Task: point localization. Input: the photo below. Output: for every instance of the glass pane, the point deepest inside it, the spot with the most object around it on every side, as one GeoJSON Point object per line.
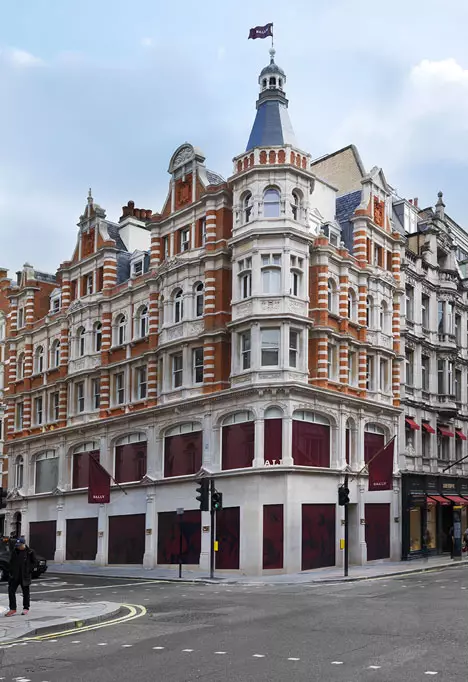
{"type": "Point", "coordinates": [269, 357]}
{"type": "Point", "coordinates": [46, 475]}
{"type": "Point", "coordinates": [415, 529]}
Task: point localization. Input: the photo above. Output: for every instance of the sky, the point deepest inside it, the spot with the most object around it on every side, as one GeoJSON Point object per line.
{"type": "Point", "coordinates": [100, 93]}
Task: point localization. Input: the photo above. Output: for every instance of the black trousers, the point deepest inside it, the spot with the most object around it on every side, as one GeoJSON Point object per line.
{"type": "Point", "coordinates": [12, 587]}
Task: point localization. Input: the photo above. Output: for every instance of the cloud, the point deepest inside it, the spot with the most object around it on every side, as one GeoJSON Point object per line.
{"type": "Point", "coordinates": [426, 119]}
{"type": "Point", "coordinates": [21, 58]}
{"type": "Point", "coordinates": [147, 42]}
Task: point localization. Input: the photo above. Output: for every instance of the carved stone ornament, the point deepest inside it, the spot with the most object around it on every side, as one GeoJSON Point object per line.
{"type": "Point", "coordinates": [184, 155]}
{"type": "Point", "coordinates": [175, 332]}
{"type": "Point", "coordinates": [15, 494]}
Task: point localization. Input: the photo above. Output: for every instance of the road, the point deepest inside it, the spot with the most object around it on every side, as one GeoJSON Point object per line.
{"type": "Point", "coordinates": [407, 628]}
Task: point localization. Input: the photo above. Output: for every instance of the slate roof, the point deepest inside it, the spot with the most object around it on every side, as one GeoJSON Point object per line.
{"type": "Point", "coordinates": [114, 233]}
{"type": "Point", "coordinates": [272, 126]}
{"type": "Point", "coordinates": [345, 207]}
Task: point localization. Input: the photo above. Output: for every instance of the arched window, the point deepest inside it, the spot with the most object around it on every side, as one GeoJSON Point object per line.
{"type": "Point", "coordinates": [97, 334]}
{"type": "Point", "coordinates": [238, 440]}
{"type": "Point", "coordinates": [55, 353]}
{"type": "Point", "coordinates": [120, 330]}
{"type": "Point", "coordinates": [199, 300]}
{"type": "Point", "coordinates": [178, 306]}
{"type": "Point", "coordinates": [350, 441]}
{"type": "Point", "coordinates": [19, 472]}
{"type": "Point", "coordinates": [272, 82]}
{"type": "Point", "coordinates": [311, 439]}
{"type": "Point", "coordinates": [183, 449]}
{"type": "Point", "coordinates": [161, 311]}
{"type": "Point", "coordinates": [296, 205]}
{"type": "Point", "coordinates": [39, 360]}
{"type": "Point", "coordinates": [264, 82]}
{"type": "Point", "coordinates": [271, 203]}
{"type": "Point", "coordinates": [81, 342]}
{"type": "Point", "coordinates": [369, 311]}
{"type": "Point", "coordinates": [46, 471]}
{"type": "Point", "coordinates": [142, 322]}
{"type": "Point", "coordinates": [20, 366]}
{"type": "Point", "coordinates": [383, 317]}
{"type": "Point", "coordinates": [273, 435]}
{"type": "Point", "coordinates": [352, 307]}
{"type": "Point", "coordinates": [80, 463]}
{"type": "Point", "coordinates": [246, 207]}
{"type": "Point", "coordinates": [130, 458]}
{"type": "Point", "coordinates": [332, 307]}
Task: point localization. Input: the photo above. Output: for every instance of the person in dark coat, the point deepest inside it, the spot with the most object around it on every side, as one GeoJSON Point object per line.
{"type": "Point", "coordinates": [22, 562]}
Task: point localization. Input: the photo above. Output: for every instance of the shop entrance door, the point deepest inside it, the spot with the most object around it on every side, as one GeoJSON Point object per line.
{"type": "Point", "coordinates": [446, 524]}
{"type": "Point", "coordinates": [377, 531]}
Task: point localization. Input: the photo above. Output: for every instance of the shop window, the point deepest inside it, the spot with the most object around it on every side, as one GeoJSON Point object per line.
{"type": "Point", "coordinates": [310, 439]}
{"type": "Point", "coordinates": [46, 472]}
{"type": "Point", "coordinates": [80, 463]}
{"type": "Point", "coordinates": [183, 446]}
{"type": "Point", "coordinates": [130, 460]}
{"type": "Point", "coordinates": [273, 434]}
{"type": "Point", "coordinates": [238, 441]}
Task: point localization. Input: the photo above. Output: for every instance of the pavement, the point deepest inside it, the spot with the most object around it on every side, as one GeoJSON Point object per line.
{"type": "Point", "coordinates": [399, 629]}
{"type": "Point", "coordinates": [380, 569]}
{"type": "Point", "coordinates": [52, 617]}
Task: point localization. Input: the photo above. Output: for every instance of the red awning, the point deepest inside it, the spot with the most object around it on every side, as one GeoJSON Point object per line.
{"type": "Point", "coordinates": [458, 500]}
{"type": "Point", "coordinates": [460, 434]}
{"type": "Point", "coordinates": [430, 501]}
{"type": "Point", "coordinates": [445, 432]}
{"type": "Point", "coordinates": [427, 427]}
{"type": "Point", "coordinates": [441, 500]}
{"type": "Point", "coordinates": [412, 424]}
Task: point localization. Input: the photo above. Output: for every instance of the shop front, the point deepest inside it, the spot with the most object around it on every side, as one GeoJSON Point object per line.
{"type": "Point", "coordinates": [430, 506]}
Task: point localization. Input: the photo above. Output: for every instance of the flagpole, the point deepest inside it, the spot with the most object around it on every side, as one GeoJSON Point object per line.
{"type": "Point", "coordinates": [272, 39]}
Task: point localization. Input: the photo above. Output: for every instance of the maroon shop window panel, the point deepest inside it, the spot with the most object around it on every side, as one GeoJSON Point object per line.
{"type": "Point", "coordinates": [311, 444]}
{"type": "Point", "coordinates": [273, 536]}
{"type": "Point", "coordinates": [126, 539]}
{"type": "Point", "coordinates": [42, 538]}
{"type": "Point", "coordinates": [228, 536]}
{"type": "Point", "coordinates": [318, 535]}
{"type": "Point", "coordinates": [169, 532]}
{"type": "Point", "coordinates": [377, 531]}
{"type": "Point", "coordinates": [273, 440]}
{"type": "Point", "coordinates": [130, 462]}
{"type": "Point", "coordinates": [381, 468]}
{"type": "Point", "coordinates": [80, 474]}
{"type": "Point", "coordinates": [81, 539]}
{"type": "Point", "coordinates": [238, 445]}
{"type": "Point", "coordinates": [183, 454]}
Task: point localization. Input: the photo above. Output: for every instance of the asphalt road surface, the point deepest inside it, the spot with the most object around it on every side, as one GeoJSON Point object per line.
{"type": "Point", "coordinates": [400, 629]}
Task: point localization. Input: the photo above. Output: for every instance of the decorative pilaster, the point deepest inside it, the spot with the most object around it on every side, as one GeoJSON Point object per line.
{"type": "Point", "coordinates": [344, 362]}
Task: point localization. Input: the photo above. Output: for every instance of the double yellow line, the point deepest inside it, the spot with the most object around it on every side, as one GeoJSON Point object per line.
{"type": "Point", "coordinates": [134, 611]}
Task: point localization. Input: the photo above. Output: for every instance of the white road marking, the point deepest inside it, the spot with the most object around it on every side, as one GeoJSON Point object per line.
{"type": "Point", "coordinates": [430, 672]}
{"type": "Point", "coordinates": [52, 641]}
{"type": "Point", "coordinates": [337, 662]}
{"type": "Point", "coordinates": [294, 659]}
{"type": "Point", "coordinates": [76, 641]}
{"type": "Point", "coordinates": [375, 667]}
{"type": "Point", "coordinates": [220, 653]}
{"type": "Point", "coordinates": [463, 588]}
{"type": "Point", "coordinates": [158, 648]}
{"type": "Point", "coordinates": [187, 651]}
{"type": "Point", "coordinates": [258, 656]}
{"type": "Point", "coordinates": [102, 644]}
{"type": "Point", "coordinates": [101, 587]}
{"type": "Point", "coordinates": [126, 646]}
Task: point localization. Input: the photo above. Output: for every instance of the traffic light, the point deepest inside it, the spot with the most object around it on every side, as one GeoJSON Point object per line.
{"type": "Point", "coordinates": [216, 501]}
{"type": "Point", "coordinates": [343, 495]}
{"type": "Point", "coordinates": [3, 498]}
{"type": "Point", "coordinates": [203, 496]}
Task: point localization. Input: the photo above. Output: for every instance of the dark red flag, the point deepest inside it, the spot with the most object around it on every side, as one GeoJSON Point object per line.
{"type": "Point", "coordinates": [381, 469]}
{"type": "Point", "coordinates": [98, 482]}
{"type": "Point", "coordinates": [261, 31]}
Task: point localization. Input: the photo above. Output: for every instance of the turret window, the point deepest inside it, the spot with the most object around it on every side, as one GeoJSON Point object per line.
{"type": "Point", "coordinates": [97, 336]}
{"type": "Point", "coordinates": [296, 205]}
{"type": "Point", "coordinates": [271, 203]}
{"type": "Point", "coordinates": [199, 300]}
{"type": "Point", "coordinates": [246, 207]}
{"type": "Point", "coordinates": [178, 306]}
{"type": "Point", "coordinates": [81, 342]}
{"type": "Point", "coordinates": [272, 82]}
{"type": "Point", "coordinates": [271, 274]}
{"type": "Point", "coordinates": [245, 277]}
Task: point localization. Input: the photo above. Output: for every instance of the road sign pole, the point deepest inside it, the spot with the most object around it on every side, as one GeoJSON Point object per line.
{"type": "Point", "coordinates": [180, 514]}
{"type": "Point", "coordinates": [346, 533]}
{"type": "Point", "coordinates": [212, 530]}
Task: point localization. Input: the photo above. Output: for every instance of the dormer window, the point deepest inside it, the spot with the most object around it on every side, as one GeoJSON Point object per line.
{"type": "Point", "coordinates": [137, 268]}
{"type": "Point", "coordinates": [55, 304]}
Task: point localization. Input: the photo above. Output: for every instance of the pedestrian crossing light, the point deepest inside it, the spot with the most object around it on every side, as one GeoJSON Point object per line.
{"type": "Point", "coordinates": [216, 501]}
{"type": "Point", "coordinates": [343, 496]}
{"type": "Point", "coordinates": [203, 496]}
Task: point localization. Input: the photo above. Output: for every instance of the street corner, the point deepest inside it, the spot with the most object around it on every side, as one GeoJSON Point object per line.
{"type": "Point", "coordinates": [48, 620]}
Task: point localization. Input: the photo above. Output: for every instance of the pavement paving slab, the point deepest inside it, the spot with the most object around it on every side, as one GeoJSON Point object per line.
{"type": "Point", "coordinates": [47, 617]}
{"type": "Point", "coordinates": [381, 569]}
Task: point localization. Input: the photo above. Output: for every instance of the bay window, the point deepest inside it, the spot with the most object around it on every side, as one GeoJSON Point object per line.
{"type": "Point", "coordinates": [270, 346]}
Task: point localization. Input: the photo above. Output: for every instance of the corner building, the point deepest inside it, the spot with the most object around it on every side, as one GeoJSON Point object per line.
{"type": "Point", "coordinates": [250, 329]}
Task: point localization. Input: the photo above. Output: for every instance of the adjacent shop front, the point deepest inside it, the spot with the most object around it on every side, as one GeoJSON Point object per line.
{"type": "Point", "coordinates": [430, 506]}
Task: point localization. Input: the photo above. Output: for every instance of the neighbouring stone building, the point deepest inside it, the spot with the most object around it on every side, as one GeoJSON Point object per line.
{"type": "Point", "coordinates": [252, 328]}
{"type": "Point", "coordinates": [4, 284]}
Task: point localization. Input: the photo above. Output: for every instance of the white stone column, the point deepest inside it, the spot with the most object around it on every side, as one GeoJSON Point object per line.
{"type": "Point", "coordinates": [361, 488]}
{"type": "Point", "coordinates": [102, 544]}
{"type": "Point", "coordinates": [150, 557]}
{"type": "Point", "coordinates": [287, 453]}
{"type": "Point", "coordinates": [151, 453]}
{"type": "Point", "coordinates": [259, 443]}
{"type": "Point", "coordinates": [61, 533]}
{"type": "Point", "coordinates": [395, 526]}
